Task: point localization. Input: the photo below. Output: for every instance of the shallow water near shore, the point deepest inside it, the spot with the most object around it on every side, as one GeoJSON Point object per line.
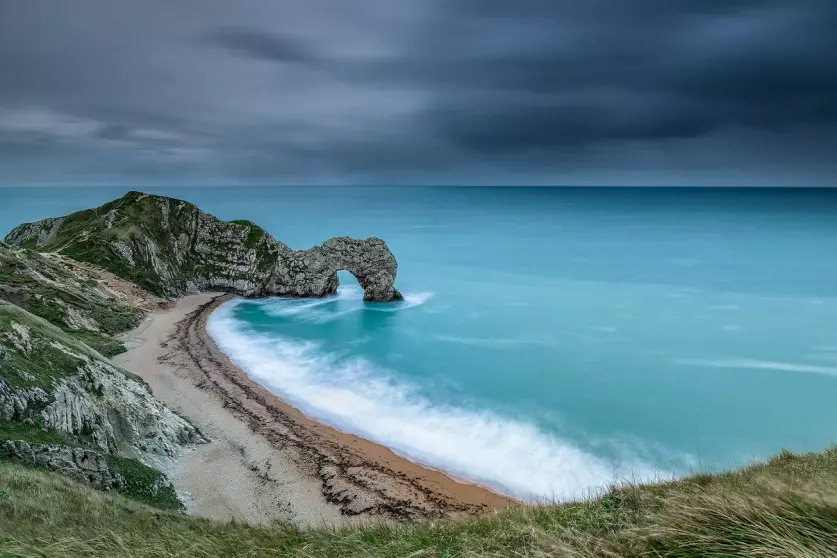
{"type": "Point", "coordinates": [551, 340]}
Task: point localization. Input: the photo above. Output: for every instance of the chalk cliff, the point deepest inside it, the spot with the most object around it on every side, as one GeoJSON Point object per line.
{"type": "Point", "coordinates": [171, 247]}
{"type": "Point", "coordinates": [65, 407]}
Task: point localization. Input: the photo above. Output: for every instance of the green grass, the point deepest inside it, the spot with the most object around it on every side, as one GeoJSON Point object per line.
{"type": "Point", "coordinates": [45, 362]}
{"type": "Point", "coordinates": [245, 222]}
{"type": "Point", "coordinates": [53, 301]}
{"type": "Point", "coordinates": [142, 483]}
{"type": "Point", "coordinates": [104, 345]}
{"type": "Point", "coordinates": [784, 508]}
{"type": "Point", "coordinates": [33, 434]}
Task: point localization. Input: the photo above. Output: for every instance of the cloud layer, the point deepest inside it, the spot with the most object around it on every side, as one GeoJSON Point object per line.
{"type": "Point", "coordinates": [418, 91]}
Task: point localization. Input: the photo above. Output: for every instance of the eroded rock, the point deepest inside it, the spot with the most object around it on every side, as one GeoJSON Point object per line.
{"type": "Point", "coordinates": [171, 247]}
{"type": "Point", "coordinates": [313, 273]}
{"type": "Point", "coordinates": [80, 464]}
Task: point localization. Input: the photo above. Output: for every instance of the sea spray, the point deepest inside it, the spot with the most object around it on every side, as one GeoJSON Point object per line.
{"type": "Point", "coordinates": [360, 397]}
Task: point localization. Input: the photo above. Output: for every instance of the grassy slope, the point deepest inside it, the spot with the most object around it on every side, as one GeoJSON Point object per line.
{"type": "Point", "coordinates": [787, 507]}
{"type": "Point", "coordinates": [45, 361]}
{"type": "Point", "coordinates": [88, 236]}
{"type": "Point", "coordinates": [48, 290]}
{"type": "Point", "coordinates": [39, 366]}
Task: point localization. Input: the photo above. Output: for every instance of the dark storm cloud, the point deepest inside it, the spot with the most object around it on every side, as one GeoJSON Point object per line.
{"type": "Point", "coordinates": [258, 44]}
{"type": "Point", "coordinates": [456, 91]}
{"type": "Point", "coordinates": [635, 71]}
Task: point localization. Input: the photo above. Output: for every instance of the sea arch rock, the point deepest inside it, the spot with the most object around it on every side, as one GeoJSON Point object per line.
{"type": "Point", "coordinates": [313, 272]}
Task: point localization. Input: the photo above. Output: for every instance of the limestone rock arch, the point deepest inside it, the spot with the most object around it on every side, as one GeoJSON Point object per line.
{"type": "Point", "coordinates": [313, 272]}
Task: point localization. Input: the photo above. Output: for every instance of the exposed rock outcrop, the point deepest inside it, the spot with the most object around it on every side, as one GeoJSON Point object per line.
{"type": "Point", "coordinates": [313, 273]}
{"type": "Point", "coordinates": [171, 247]}
{"type": "Point", "coordinates": [118, 415]}
{"type": "Point", "coordinates": [68, 285]}
{"type": "Point", "coordinates": [83, 465]}
{"type": "Point", "coordinates": [19, 403]}
{"type": "Point", "coordinates": [52, 379]}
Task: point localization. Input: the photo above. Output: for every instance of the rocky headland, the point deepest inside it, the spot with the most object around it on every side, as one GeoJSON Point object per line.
{"type": "Point", "coordinates": [145, 271]}
{"type": "Point", "coordinates": [170, 247]}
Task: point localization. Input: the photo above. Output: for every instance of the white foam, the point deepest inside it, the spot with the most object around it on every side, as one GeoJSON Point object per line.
{"type": "Point", "coordinates": [411, 300]}
{"type": "Point", "coordinates": [296, 306]}
{"type": "Point", "coordinates": [752, 364]}
{"type": "Point", "coordinates": [509, 455]}
{"type": "Point", "coordinates": [317, 310]}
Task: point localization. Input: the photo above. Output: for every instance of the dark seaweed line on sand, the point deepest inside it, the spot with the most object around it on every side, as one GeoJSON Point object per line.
{"type": "Point", "coordinates": [332, 463]}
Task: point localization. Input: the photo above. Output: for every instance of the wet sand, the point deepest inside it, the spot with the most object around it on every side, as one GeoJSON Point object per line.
{"type": "Point", "coordinates": [267, 461]}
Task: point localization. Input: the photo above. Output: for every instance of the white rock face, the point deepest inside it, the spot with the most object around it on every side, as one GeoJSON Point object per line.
{"type": "Point", "coordinates": [15, 403]}
{"type": "Point", "coordinates": [119, 415]}
{"type": "Point", "coordinates": [80, 393]}
{"type": "Point", "coordinates": [19, 337]}
{"type": "Point", "coordinates": [44, 232]}
{"type": "Point", "coordinates": [125, 251]}
{"type": "Point", "coordinates": [78, 320]}
{"type": "Point", "coordinates": [314, 272]}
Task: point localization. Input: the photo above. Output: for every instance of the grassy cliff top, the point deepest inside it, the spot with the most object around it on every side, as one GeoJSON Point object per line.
{"type": "Point", "coordinates": [158, 242]}
{"type": "Point", "coordinates": [784, 508]}
{"type": "Point", "coordinates": [135, 211]}
{"type": "Point", "coordinates": [36, 352]}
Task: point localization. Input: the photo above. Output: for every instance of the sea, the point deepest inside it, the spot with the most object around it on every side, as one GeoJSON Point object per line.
{"type": "Point", "coordinates": [552, 341]}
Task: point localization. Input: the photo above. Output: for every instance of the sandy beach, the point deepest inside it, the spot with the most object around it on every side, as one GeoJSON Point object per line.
{"type": "Point", "coordinates": [266, 460]}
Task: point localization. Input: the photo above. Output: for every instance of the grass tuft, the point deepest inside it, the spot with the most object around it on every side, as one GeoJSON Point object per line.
{"type": "Point", "coordinates": [30, 433]}
{"type": "Point", "coordinates": [783, 508]}
{"type": "Point", "coordinates": [144, 483]}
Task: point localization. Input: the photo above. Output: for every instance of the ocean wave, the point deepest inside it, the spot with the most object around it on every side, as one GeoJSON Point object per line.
{"type": "Point", "coordinates": [325, 309]}
{"type": "Point", "coordinates": [753, 364]}
{"type": "Point", "coordinates": [497, 342]}
{"type": "Point", "coordinates": [411, 300]}
{"type": "Point", "coordinates": [278, 307]}
{"type": "Point", "coordinates": [354, 395]}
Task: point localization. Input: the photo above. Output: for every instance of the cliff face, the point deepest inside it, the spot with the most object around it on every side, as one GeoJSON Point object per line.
{"type": "Point", "coordinates": [66, 407]}
{"type": "Point", "coordinates": [68, 284]}
{"type": "Point", "coordinates": [171, 247]}
{"type": "Point", "coordinates": [63, 405]}
{"type": "Point", "coordinates": [49, 378]}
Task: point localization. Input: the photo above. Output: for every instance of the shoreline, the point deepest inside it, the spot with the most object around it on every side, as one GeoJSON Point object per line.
{"type": "Point", "coordinates": [273, 461]}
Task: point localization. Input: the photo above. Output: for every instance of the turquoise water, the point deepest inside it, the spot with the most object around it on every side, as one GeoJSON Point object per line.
{"type": "Point", "coordinates": [551, 340]}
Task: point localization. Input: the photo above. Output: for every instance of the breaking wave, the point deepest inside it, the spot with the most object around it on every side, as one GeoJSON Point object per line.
{"type": "Point", "coordinates": [326, 309]}
{"type": "Point", "coordinates": [357, 396]}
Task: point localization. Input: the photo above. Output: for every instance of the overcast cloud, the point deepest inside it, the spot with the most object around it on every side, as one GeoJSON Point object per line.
{"type": "Point", "coordinates": [737, 92]}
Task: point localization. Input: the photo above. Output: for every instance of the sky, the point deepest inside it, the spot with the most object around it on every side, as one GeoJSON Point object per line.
{"type": "Point", "coordinates": [446, 92]}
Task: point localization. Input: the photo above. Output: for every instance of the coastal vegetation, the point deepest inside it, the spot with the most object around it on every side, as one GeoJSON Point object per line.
{"type": "Point", "coordinates": [63, 405]}
{"type": "Point", "coordinates": [67, 295]}
{"type": "Point", "coordinates": [57, 410]}
{"type": "Point", "coordinates": [786, 507]}
{"type": "Point", "coordinates": [161, 244]}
